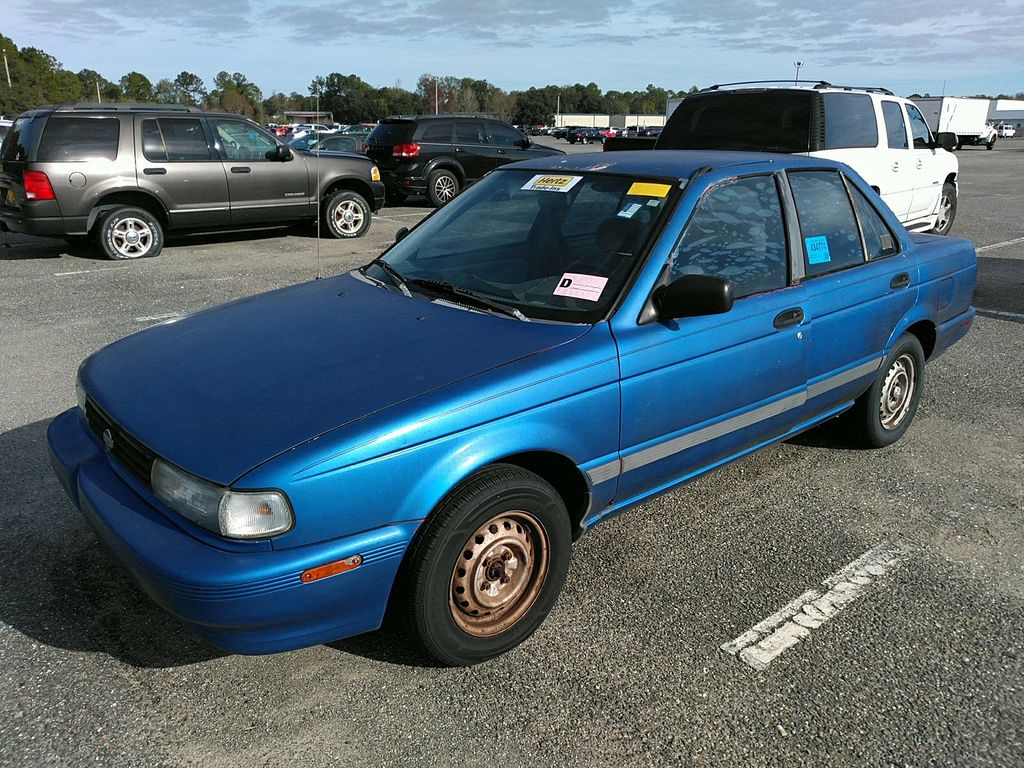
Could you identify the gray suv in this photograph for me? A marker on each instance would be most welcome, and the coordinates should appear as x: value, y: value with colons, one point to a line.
x: 126, y: 173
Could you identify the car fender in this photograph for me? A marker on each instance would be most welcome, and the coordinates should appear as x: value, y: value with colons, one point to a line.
x: 445, y: 164
x: 108, y: 196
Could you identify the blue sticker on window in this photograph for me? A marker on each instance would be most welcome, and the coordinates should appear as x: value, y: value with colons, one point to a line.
x: 817, y: 250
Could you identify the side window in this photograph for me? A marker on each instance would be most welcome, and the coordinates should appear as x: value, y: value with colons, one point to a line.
x: 831, y: 238
x: 71, y: 139
x: 919, y: 128
x: 242, y: 141
x: 850, y: 121
x: 878, y: 238
x: 895, y: 127
x: 470, y: 132
x: 503, y: 136
x: 174, y: 139
x: 736, y: 232
x: 436, y: 131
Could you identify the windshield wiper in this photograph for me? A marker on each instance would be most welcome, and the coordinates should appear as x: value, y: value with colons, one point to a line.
x: 469, y: 297
x: 393, y: 274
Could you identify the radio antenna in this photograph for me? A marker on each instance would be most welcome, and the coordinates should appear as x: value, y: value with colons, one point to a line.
x: 319, y: 272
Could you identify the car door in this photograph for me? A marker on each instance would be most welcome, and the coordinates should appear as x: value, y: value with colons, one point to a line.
x: 698, y: 390
x: 179, y: 166
x: 471, y: 149
x: 929, y: 171
x: 262, y: 190
x: 857, y: 283
x: 896, y: 186
x: 507, y: 143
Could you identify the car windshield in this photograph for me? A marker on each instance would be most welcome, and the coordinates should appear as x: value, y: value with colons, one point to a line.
x: 554, y: 246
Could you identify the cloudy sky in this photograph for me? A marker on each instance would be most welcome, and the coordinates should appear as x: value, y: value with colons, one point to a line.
x: 973, y: 47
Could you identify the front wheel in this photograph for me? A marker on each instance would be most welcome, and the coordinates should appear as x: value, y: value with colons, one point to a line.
x: 487, y: 567
x: 129, y: 233
x: 947, y: 210
x: 346, y: 214
x: 442, y: 187
x: 991, y: 143
x: 883, y: 414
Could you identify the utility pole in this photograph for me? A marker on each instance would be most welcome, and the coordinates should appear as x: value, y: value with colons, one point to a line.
x: 435, y: 95
x: 558, y: 111
x: 797, y: 64
x: 98, y: 99
x: 7, y: 69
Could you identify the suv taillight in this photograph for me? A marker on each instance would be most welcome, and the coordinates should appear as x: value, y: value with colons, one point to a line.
x: 37, y: 186
x: 405, y: 150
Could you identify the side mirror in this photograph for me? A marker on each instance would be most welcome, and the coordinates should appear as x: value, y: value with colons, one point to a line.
x: 524, y: 143
x: 693, y: 295
x: 946, y: 140
x: 400, y: 234
x: 281, y: 153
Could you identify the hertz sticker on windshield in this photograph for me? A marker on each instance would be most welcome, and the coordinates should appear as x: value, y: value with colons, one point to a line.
x: 646, y: 189
x: 551, y: 183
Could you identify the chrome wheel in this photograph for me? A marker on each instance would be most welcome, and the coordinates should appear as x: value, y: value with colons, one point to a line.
x: 945, y: 213
x: 348, y: 217
x: 131, y: 237
x: 444, y: 188
x: 499, y: 574
x: 898, y: 391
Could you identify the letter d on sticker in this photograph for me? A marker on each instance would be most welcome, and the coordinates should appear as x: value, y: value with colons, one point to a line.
x: 566, y: 282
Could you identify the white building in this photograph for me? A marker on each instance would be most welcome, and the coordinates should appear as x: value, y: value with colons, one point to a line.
x: 1007, y: 112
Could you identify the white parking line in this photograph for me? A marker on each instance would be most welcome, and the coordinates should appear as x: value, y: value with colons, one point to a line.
x: 150, y: 318
x: 767, y: 639
x: 87, y: 271
x: 1003, y: 244
x: 1000, y: 313
x: 397, y: 216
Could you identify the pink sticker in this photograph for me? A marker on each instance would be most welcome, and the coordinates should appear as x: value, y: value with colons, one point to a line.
x: 587, y: 287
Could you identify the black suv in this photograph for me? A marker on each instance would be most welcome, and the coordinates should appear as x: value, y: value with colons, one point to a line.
x: 126, y: 173
x: 441, y: 154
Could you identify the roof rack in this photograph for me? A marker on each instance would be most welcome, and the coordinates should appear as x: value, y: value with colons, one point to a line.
x: 124, y: 107
x: 818, y: 84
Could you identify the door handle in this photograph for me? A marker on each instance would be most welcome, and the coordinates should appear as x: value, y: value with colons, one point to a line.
x: 902, y: 280
x: 896, y: 165
x: 790, y: 317
x: 920, y: 163
x: 154, y: 171
x: 501, y: 151
x: 241, y: 169
x: 458, y: 149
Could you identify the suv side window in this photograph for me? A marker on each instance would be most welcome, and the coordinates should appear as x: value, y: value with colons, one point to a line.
x: 436, y: 131
x: 503, y: 136
x: 878, y: 238
x: 736, y: 232
x: 174, y: 139
x: 895, y: 127
x: 242, y: 141
x: 850, y: 121
x: 919, y: 128
x: 831, y: 238
x: 470, y: 132
x: 71, y: 139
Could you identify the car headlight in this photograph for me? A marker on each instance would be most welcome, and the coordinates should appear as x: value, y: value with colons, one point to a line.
x: 235, y: 514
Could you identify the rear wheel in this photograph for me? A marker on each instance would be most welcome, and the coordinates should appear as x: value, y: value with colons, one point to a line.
x: 129, y: 233
x: 883, y: 414
x: 947, y: 210
x: 487, y: 567
x: 442, y: 187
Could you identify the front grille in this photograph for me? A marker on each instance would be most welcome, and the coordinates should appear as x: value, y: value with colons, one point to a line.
x: 129, y: 452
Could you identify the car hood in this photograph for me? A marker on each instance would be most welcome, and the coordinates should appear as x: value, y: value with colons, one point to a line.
x: 221, y: 391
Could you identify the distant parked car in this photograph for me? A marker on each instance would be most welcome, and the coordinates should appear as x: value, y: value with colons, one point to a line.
x: 340, y: 143
x: 1006, y: 131
x: 585, y: 136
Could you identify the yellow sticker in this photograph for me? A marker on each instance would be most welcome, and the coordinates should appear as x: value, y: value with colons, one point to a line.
x: 646, y: 189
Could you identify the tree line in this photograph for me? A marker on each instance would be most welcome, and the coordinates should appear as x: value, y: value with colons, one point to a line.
x: 37, y: 78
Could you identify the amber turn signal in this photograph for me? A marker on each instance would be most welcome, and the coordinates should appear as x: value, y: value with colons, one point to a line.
x: 331, y: 569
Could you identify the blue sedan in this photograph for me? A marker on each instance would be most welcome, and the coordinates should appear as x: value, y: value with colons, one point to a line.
x: 431, y: 432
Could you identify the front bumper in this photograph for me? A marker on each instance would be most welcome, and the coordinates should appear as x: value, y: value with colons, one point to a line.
x: 245, y: 602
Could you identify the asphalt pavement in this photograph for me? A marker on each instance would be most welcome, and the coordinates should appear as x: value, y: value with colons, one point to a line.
x: 924, y: 668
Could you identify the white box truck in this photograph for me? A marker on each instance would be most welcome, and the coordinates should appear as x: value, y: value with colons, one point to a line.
x: 967, y: 118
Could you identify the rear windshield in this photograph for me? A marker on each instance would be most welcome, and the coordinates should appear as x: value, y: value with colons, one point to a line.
x: 769, y: 121
x: 392, y: 133
x: 20, y: 138
x: 69, y: 139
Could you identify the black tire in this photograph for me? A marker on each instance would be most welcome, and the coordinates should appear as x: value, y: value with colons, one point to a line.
x: 883, y: 414
x: 129, y: 233
x: 947, y: 210
x: 346, y: 214
x: 442, y: 187
x: 499, y: 516
x: 990, y: 144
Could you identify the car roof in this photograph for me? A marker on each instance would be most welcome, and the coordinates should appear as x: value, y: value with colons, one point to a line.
x: 668, y: 163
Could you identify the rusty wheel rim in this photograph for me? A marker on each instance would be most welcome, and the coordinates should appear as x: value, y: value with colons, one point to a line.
x: 499, y: 573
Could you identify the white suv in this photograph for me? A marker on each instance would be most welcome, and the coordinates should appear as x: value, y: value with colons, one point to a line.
x: 881, y: 136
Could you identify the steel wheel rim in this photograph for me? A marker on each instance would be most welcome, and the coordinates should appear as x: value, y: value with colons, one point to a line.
x: 131, y: 237
x: 499, y: 573
x: 444, y: 188
x: 945, y: 209
x: 348, y: 217
x: 898, y: 391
